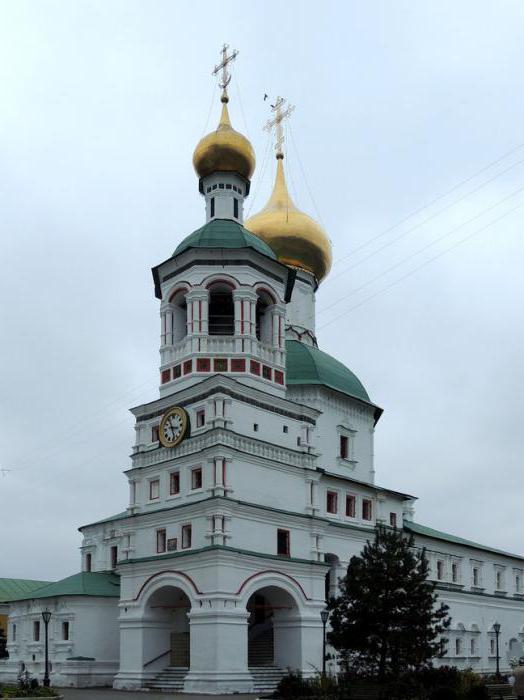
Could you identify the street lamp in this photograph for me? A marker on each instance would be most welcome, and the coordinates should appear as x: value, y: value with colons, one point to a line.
x: 324, y: 616
x: 46, y: 616
x: 496, y: 628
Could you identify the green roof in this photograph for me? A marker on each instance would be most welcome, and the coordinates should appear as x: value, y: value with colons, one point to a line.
x: 417, y: 529
x: 11, y: 588
x: 306, y: 364
x: 224, y: 233
x: 101, y: 584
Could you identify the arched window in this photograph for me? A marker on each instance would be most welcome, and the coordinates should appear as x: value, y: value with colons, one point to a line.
x: 221, y: 310
x: 178, y: 317
x: 263, y: 318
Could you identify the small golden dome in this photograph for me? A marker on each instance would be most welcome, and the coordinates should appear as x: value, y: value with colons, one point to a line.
x: 296, y: 238
x: 224, y: 150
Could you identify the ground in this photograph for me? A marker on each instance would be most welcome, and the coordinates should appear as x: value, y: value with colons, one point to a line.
x: 110, y: 694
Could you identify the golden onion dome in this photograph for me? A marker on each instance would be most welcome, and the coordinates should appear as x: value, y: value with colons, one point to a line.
x: 224, y: 150
x: 296, y: 238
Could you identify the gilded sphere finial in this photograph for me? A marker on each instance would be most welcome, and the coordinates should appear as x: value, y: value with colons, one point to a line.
x: 224, y: 149
x: 297, y: 239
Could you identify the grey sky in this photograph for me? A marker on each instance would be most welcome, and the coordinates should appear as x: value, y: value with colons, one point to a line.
x: 101, y: 105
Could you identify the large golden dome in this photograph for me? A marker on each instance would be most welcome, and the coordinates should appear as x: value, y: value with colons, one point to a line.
x: 296, y: 238
x: 224, y: 150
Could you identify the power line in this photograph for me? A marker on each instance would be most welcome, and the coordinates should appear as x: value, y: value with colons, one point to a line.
x: 419, y: 267
x: 428, y: 245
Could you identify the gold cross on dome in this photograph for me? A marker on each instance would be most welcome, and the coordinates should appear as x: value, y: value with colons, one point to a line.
x: 281, y: 112
x: 222, y: 70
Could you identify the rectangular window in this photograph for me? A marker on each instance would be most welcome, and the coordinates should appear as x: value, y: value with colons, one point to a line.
x: 284, y: 429
x: 177, y: 371
x: 367, y: 510
x: 188, y: 366
x: 492, y: 647
x: 255, y: 427
x: 36, y: 630
x: 174, y: 483
x: 212, y: 207
x: 165, y: 376
x: 266, y: 372
x: 154, y: 433
x: 88, y: 561
x: 114, y: 556
x: 65, y: 630
x: 283, y: 543
x: 393, y: 519
x: 440, y: 570
x: 331, y: 501
x: 344, y: 446
x: 473, y: 647
x: 351, y: 506
x: 458, y: 647
x: 454, y: 572
x: 254, y: 367
x: 235, y: 207
x: 517, y: 583
x: 161, y: 541
x: 186, y: 536
x: 500, y: 580
x: 476, y: 576
x: 154, y: 489
x: 196, y: 478
x: 200, y: 418
x: 14, y: 633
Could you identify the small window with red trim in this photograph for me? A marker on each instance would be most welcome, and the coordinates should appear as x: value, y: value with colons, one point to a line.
x: 367, y: 509
x: 266, y: 372
x: 254, y: 367
x: 165, y: 376
x: 196, y: 478
x: 174, y: 483
x: 154, y: 489
x: 331, y: 501
x: 351, y: 506
x: 177, y: 371
x: 188, y: 366
x: 279, y: 376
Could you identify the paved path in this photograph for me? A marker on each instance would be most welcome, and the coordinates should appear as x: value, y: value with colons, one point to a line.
x: 110, y: 694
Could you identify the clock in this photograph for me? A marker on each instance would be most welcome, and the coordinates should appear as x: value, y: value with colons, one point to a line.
x: 173, y: 427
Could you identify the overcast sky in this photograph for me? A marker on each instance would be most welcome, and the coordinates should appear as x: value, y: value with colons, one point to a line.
x: 408, y: 126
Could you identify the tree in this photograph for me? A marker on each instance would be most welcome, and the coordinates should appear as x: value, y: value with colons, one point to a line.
x: 386, y: 620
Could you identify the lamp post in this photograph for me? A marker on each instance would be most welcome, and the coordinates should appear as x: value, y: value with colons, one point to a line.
x: 324, y: 616
x: 46, y: 616
x: 496, y: 628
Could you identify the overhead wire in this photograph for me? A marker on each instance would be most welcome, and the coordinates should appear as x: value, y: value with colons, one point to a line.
x: 424, y: 264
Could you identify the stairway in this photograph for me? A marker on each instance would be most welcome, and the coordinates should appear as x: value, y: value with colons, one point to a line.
x: 170, y: 680
x: 266, y: 678
x: 261, y: 647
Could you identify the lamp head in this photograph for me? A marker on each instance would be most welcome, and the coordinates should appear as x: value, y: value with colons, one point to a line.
x: 496, y: 627
x: 324, y: 615
x: 46, y: 615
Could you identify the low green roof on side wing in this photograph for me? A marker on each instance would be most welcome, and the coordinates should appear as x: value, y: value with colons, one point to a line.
x: 306, y: 364
x: 417, y: 529
x: 11, y: 588
x: 224, y: 233
x: 118, y: 516
x: 93, y: 583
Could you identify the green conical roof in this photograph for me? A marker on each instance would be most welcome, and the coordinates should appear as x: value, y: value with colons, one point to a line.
x: 224, y: 233
x: 306, y: 364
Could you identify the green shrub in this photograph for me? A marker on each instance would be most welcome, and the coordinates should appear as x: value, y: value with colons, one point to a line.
x: 14, y: 691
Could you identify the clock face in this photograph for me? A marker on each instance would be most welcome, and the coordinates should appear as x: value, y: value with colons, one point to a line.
x: 173, y: 427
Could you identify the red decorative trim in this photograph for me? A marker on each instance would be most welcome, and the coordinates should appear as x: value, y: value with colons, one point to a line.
x: 188, y: 366
x: 254, y: 367
x: 220, y: 280
x: 220, y: 364
x: 168, y: 571
x: 279, y: 376
x: 203, y: 364
x: 238, y: 365
x: 180, y: 288
x: 266, y: 372
x: 272, y: 571
x: 165, y: 376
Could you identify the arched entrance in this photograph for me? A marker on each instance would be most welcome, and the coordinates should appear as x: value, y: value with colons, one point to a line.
x: 273, y: 628
x: 167, y: 639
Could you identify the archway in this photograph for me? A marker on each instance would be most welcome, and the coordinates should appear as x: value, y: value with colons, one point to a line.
x: 264, y: 330
x: 178, y: 306
x: 166, y: 629
x: 221, y: 309
x: 273, y: 629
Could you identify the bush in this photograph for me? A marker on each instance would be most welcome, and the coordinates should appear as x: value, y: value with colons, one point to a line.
x: 14, y: 691
x: 293, y: 686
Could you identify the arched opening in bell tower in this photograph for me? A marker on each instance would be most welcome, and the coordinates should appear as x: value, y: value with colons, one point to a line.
x: 264, y: 320
x: 179, y: 315
x: 221, y: 309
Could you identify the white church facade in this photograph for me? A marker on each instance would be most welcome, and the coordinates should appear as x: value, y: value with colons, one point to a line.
x: 252, y: 480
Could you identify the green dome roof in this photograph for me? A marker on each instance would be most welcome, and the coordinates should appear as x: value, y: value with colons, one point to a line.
x: 306, y: 364
x: 224, y: 233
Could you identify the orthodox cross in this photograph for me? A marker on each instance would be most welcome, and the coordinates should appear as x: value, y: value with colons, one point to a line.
x: 222, y: 70
x: 281, y: 112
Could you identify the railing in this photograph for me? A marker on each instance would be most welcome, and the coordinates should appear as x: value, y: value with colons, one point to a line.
x: 157, y: 658
x: 221, y: 344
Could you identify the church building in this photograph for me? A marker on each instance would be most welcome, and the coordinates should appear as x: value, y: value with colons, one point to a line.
x: 251, y: 481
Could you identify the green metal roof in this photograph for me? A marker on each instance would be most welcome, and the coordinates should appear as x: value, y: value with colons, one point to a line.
x: 101, y: 584
x: 417, y: 529
x: 15, y: 587
x: 224, y: 233
x: 306, y: 364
